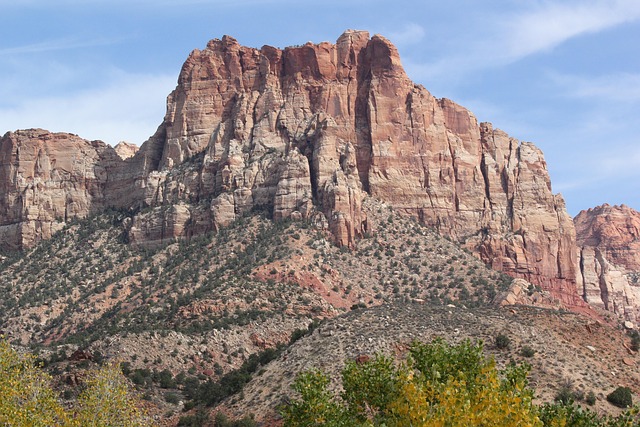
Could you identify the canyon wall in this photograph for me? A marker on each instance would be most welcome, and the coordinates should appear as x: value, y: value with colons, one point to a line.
x: 608, y: 239
x: 308, y: 132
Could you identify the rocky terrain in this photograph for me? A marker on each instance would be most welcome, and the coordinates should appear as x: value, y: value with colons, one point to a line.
x: 305, y: 132
x: 608, y: 240
x: 290, y: 188
x: 201, y: 307
x: 564, y: 350
x: 195, y: 310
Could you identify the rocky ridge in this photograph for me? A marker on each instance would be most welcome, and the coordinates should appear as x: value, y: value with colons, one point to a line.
x: 306, y: 132
x: 608, y: 239
x: 564, y: 350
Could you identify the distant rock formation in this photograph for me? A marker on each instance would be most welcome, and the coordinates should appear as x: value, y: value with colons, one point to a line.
x: 307, y: 132
x: 126, y: 150
x: 608, y: 239
x: 46, y: 179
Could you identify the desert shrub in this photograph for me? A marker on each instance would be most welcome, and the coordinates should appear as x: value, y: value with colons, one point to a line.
x: 502, y: 341
x: 199, y: 419
x: 635, y: 340
x: 527, y: 351
x: 172, y: 397
x: 590, y: 399
x: 565, y: 395
x: 620, y: 397
x: 221, y: 420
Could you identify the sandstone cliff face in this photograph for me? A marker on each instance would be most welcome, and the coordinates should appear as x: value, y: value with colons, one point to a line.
x: 309, y: 131
x: 126, y: 150
x: 608, y: 239
x: 324, y: 125
x: 47, y: 179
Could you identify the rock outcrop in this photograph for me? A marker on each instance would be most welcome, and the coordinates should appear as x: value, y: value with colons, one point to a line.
x: 608, y: 239
x: 47, y: 179
x: 126, y: 150
x: 309, y: 131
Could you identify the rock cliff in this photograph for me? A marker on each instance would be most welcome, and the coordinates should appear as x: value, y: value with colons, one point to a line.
x: 608, y: 239
x: 308, y: 132
x: 47, y: 179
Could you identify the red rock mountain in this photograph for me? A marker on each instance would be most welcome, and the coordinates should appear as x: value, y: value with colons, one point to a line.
x: 305, y: 132
x: 608, y: 239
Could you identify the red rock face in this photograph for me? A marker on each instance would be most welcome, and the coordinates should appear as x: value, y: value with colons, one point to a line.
x: 46, y: 179
x: 364, y: 128
x: 608, y: 239
x: 309, y: 131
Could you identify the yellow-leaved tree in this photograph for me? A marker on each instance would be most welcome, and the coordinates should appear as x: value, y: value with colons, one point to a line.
x: 107, y: 401
x: 439, y: 385
x: 27, y: 398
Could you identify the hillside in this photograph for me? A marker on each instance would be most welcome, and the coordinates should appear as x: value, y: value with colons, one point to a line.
x: 296, y: 208
x: 566, y: 351
x: 203, y: 306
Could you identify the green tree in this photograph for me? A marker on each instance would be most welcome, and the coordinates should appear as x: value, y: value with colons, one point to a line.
x: 438, y: 385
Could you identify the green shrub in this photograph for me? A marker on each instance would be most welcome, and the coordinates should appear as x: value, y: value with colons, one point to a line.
x: 621, y: 397
x: 200, y: 419
x: 172, y: 397
x: 502, y: 341
x: 635, y: 340
x: 591, y: 398
x: 527, y: 351
x: 565, y: 395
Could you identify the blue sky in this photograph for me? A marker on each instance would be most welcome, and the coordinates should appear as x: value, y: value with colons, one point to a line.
x: 562, y: 74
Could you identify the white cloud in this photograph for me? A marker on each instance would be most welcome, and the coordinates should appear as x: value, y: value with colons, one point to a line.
x: 129, y: 107
x: 57, y: 44
x: 619, y: 87
x: 538, y: 26
x: 552, y: 23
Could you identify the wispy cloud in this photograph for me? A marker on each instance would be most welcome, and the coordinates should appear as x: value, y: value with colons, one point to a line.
x: 129, y: 107
x: 552, y: 23
x: 409, y: 34
x: 619, y: 87
x: 58, y: 44
x: 538, y: 26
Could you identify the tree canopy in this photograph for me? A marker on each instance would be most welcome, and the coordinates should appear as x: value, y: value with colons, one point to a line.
x: 438, y: 385
x: 28, y: 399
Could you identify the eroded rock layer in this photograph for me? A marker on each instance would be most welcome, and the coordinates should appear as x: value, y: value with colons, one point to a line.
x: 308, y: 132
x: 608, y: 239
x: 47, y: 179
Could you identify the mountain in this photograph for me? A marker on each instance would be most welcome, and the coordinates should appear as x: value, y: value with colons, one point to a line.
x: 608, y: 240
x: 288, y: 187
x: 307, y: 133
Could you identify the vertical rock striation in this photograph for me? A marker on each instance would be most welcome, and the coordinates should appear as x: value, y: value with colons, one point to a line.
x: 608, y: 239
x: 46, y: 179
x: 309, y: 131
